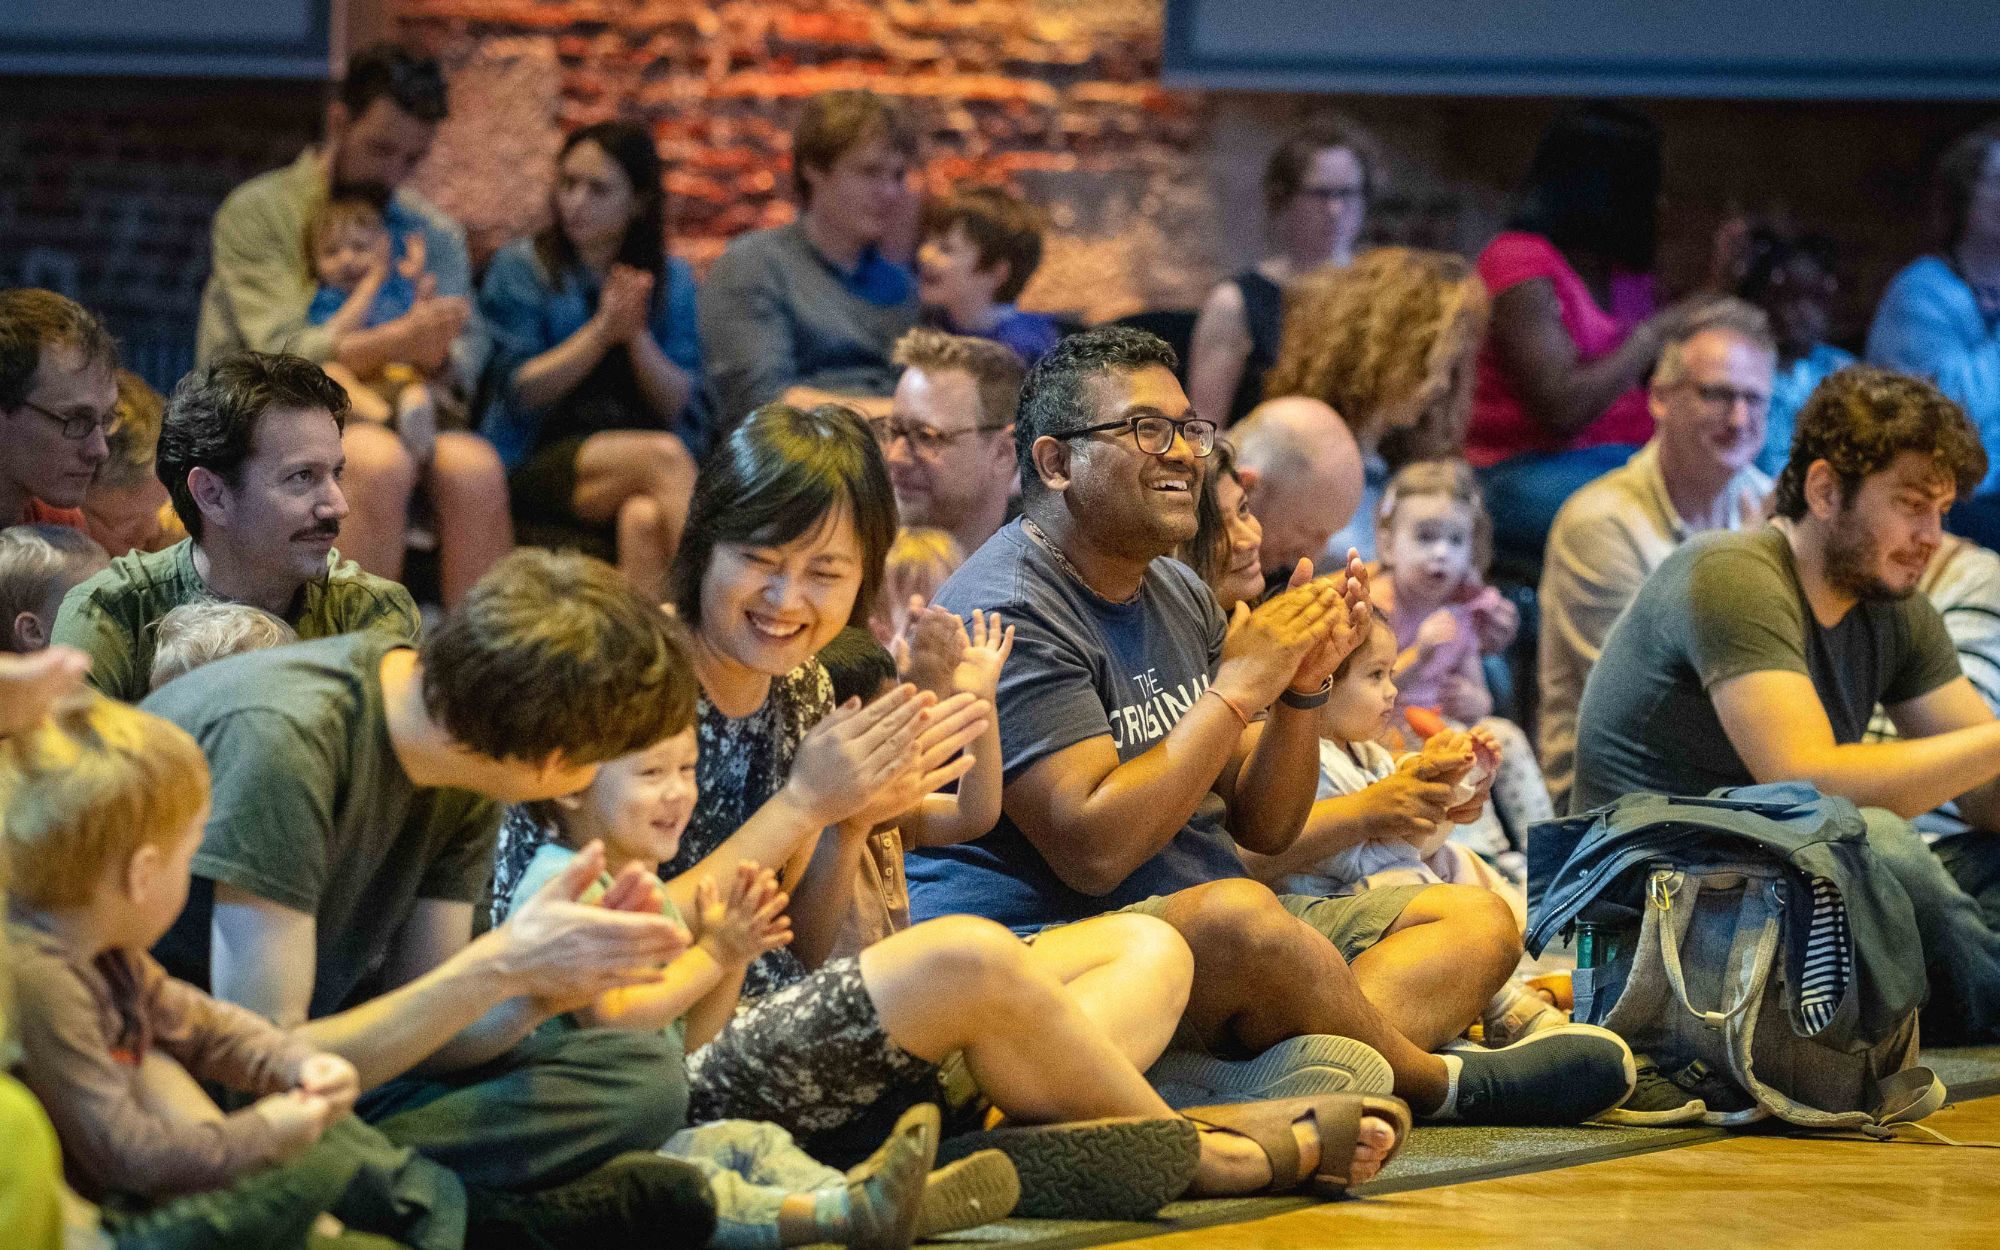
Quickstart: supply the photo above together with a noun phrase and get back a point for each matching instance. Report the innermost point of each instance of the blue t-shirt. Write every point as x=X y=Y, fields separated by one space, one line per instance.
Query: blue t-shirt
x=1081 y=669
x=1790 y=386
x=398 y=294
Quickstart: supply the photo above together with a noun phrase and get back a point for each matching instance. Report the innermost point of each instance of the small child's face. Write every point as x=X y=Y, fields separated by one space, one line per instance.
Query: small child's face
x=1362 y=702
x=1428 y=544
x=948 y=272
x=156 y=883
x=640 y=803
x=345 y=251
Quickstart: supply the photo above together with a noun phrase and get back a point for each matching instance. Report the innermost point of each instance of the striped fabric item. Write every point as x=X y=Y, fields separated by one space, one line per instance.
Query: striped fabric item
x=1829 y=961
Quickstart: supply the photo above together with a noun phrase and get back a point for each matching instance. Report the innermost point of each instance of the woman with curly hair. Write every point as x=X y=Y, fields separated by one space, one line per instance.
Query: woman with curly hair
x=1316 y=190
x=1389 y=343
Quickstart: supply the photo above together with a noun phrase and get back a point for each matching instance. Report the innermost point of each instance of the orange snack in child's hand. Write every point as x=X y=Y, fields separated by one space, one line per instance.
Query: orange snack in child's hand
x=1426 y=721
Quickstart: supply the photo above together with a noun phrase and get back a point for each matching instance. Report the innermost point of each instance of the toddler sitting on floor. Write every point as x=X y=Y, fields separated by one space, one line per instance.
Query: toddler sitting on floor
x=1358 y=712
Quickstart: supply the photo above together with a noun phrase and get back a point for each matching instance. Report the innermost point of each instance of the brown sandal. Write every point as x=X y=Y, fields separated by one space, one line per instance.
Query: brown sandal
x=1336 y=1117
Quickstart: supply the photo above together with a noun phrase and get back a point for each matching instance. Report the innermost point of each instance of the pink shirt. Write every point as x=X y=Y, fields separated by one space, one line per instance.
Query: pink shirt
x=1500 y=427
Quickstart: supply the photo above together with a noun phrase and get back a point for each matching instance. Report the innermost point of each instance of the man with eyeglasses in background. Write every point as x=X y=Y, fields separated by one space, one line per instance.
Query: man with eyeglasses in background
x=949 y=438
x=58 y=400
x=1149 y=744
x=1709 y=396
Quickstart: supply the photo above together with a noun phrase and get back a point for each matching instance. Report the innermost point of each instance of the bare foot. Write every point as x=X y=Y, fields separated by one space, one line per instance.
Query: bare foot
x=1233 y=1164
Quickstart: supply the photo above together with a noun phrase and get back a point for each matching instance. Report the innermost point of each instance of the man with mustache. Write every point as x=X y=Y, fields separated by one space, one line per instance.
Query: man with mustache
x=1758 y=657
x=250 y=453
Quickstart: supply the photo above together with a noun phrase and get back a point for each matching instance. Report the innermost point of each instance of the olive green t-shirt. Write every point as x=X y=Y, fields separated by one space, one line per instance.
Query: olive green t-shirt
x=312 y=810
x=113 y=616
x=1723 y=605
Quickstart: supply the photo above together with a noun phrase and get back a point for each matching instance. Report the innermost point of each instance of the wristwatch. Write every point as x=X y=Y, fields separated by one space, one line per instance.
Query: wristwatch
x=1307 y=702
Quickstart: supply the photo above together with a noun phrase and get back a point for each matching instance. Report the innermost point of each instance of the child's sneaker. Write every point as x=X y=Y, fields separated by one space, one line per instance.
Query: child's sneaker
x=885 y=1191
x=1516 y=1012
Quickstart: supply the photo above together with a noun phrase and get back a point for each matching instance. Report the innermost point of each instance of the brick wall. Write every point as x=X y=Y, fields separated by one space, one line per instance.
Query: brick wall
x=106 y=187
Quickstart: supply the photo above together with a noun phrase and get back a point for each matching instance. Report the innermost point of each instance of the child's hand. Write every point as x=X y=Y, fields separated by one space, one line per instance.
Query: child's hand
x=1439 y=629
x=929 y=649
x=1485 y=746
x=1445 y=757
x=329 y=1077
x=296 y=1120
x=745 y=918
x=979 y=665
x=854 y=751
x=411 y=266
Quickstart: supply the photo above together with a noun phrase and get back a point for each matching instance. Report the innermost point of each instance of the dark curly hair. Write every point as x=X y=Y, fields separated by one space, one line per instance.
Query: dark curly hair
x=1861 y=418
x=1056 y=397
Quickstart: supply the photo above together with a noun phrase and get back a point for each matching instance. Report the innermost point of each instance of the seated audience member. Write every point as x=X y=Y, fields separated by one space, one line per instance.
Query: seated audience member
x=356 y=791
x=1437 y=540
x=1352 y=760
x=379 y=126
x=369 y=277
x=980 y=247
x=39 y=564
x=1940 y=316
x=195 y=634
x=1133 y=775
x=1558 y=398
x=1758 y=657
x=948 y=438
x=103 y=810
x=1226 y=550
x=791 y=518
x=768 y=1191
x=1388 y=343
x=1301 y=468
x=597 y=366
x=126 y=508
x=1697 y=473
x=1316 y=190
x=919 y=563
x=1792 y=280
x=58 y=406
x=251 y=454
x=814 y=304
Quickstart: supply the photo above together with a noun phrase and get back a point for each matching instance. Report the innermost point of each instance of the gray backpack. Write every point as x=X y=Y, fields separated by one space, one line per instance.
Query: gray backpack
x=1703 y=989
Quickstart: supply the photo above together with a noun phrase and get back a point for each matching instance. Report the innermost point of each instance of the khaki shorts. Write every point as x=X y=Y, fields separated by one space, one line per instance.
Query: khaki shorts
x=1353 y=923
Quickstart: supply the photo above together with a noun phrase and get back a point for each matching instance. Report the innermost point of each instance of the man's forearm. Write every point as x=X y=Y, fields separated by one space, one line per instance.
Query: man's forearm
x=366 y=351
x=1274 y=789
x=1914 y=775
x=430 y=1021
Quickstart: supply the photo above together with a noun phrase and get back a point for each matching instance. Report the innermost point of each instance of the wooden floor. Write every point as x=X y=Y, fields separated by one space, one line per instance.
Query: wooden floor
x=1747 y=1191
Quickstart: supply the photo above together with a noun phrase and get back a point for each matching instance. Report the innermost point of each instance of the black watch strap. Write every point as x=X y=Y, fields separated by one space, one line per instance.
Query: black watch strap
x=1307 y=702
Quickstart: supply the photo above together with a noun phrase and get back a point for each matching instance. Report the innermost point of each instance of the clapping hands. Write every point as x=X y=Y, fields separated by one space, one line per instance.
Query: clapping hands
x=744 y=916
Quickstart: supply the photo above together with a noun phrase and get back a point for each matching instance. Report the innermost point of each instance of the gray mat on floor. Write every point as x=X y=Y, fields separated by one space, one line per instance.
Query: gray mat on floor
x=1439 y=1155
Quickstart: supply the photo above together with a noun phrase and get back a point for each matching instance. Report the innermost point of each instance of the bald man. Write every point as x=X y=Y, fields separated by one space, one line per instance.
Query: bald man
x=1301 y=470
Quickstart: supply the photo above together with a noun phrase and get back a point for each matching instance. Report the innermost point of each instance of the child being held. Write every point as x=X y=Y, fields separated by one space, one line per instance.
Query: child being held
x=1435 y=540
x=104 y=807
x=195 y=634
x=1358 y=713
x=768 y=1192
x=367 y=277
x=39 y=564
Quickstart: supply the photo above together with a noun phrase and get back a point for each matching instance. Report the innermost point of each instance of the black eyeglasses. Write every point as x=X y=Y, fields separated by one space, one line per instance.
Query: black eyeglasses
x=924 y=440
x=1155 y=435
x=77 y=428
